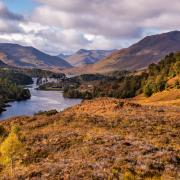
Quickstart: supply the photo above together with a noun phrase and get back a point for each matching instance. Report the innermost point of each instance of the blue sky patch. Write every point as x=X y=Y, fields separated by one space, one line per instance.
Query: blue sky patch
x=20 y=6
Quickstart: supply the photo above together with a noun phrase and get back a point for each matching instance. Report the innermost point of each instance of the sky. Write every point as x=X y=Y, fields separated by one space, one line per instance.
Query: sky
x=20 y=6
x=65 y=26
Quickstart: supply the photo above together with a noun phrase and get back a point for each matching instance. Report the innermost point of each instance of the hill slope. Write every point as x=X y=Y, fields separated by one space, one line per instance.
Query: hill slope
x=84 y=57
x=167 y=97
x=104 y=138
x=29 y=57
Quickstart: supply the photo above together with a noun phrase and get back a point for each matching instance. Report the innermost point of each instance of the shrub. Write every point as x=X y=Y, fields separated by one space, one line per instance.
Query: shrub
x=3 y=131
x=129 y=176
x=47 y=113
x=177 y=84
x=148 y=91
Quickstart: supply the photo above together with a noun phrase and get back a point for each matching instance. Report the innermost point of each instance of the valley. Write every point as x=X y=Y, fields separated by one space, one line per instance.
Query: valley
x=89 y=90
x=84 y=57
x=124 y=84
x=118 y=121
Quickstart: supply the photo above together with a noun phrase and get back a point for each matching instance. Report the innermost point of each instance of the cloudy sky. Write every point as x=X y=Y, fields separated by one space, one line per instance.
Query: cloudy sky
x=56 y=26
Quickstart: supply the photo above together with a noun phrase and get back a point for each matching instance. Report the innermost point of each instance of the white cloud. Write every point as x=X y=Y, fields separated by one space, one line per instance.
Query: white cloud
x=30 y=27
x=89 y=37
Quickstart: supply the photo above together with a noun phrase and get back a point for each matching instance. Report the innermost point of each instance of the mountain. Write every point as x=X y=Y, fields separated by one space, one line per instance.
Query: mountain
x=149 y=50
x=84 y=57
x=29 y=57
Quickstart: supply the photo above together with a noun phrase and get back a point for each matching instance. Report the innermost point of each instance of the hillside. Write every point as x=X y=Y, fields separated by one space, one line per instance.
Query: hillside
x=104 y=138
x=167 y=97
x=29 y=57
x=85 y=57
x=149 y=50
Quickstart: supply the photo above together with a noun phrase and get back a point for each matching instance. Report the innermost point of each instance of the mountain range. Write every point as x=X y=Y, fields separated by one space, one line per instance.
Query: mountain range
x=149 y=50
x=29 y=57
x=85 y=57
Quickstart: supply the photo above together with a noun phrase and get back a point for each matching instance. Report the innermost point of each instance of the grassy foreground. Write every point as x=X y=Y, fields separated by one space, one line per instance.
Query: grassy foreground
x=104 y=138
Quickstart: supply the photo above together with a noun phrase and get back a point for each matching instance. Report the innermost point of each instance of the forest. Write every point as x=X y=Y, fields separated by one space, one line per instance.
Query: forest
x=127 y=84
x=18 y=78
x=12 y=87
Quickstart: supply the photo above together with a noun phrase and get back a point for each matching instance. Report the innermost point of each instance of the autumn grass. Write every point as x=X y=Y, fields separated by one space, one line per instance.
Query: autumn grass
x=168 y=98
x=104 y=138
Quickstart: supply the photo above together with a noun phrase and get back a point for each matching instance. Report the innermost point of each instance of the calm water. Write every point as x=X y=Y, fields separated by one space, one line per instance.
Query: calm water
x=40 y=100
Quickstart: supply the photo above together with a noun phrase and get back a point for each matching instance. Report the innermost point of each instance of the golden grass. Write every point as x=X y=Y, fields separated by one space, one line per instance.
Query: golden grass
x=100 y=139
x=171 y=81
x=167 y=97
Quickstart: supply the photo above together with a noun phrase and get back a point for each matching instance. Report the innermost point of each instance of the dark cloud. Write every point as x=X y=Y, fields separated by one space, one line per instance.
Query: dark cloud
x=110 y=18
x=9 y=21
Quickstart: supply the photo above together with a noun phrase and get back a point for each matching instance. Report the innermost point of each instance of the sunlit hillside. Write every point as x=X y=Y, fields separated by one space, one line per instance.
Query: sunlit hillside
x=103 y=138
x=167 y=97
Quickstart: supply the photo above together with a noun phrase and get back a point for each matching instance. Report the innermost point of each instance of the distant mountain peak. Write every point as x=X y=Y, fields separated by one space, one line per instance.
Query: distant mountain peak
x=63 y=56
x=82 y=50
x=84 y=57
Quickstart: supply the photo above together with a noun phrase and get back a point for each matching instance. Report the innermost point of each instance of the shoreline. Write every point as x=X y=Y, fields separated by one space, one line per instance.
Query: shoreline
x=6 y=104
